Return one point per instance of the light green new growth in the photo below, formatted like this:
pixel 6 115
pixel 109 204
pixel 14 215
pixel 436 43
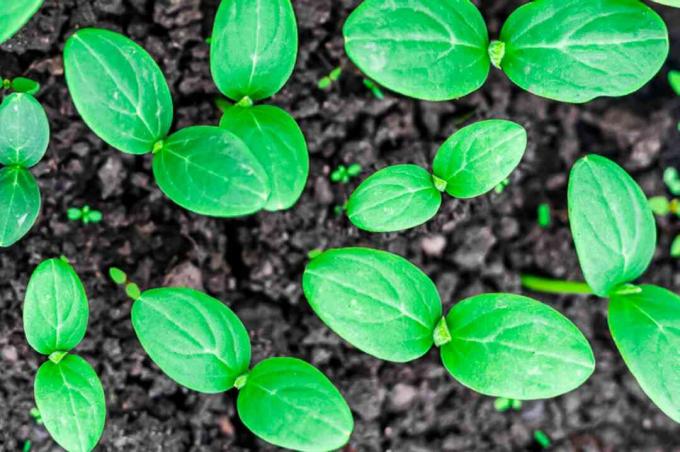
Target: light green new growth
pixel 343 174
pixel 326 81
pixel 672 180
pixel 544 215
pixel 542 439
pixel 84 214
pixel 502 404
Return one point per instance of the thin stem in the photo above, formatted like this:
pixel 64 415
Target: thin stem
pixel 548 285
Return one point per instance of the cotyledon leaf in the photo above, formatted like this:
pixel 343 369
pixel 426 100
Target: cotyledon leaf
pixel 71 402
pixel 19 203
pixel 194 338
pixel 575 51
pixel 480 156
pixel 507 345
pixel 55 308
pixel 611 223
pixel 210 171
pixel 377 301
pixel 277 142
pixel 646 329
pixel 394 198
pixel 291 404
pixel 432 50
pixel 14 14
pixel 118 89
pixel 24 130
pixel 253 48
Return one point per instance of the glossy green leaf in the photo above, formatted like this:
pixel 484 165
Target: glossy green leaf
pixel 675 3
pixel 377 301
pixel 24 130
pixel 25 85
pixel 478 157
pixel 575 51
pixel 118 89
pixel 194 338
pixel 210 171
pixel 71 402
pixel 646 329
pixel 253 48
pixel 434 50
pixel 507 345
pixel 19 204
pixel 394 198
pixel 277 142
pixel 14 15
pixel 55 308
pixel 611 223
pixel 291 404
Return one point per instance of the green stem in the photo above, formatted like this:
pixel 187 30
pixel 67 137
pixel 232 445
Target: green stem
pixel 548 285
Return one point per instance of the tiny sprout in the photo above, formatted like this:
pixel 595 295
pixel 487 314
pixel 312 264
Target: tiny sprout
pixel 674 81
pixel 27 446
pixel 132 290
pixel 343 174
pixel 117 275
pixel 84 214
pixel 35 414
pixel 327 81
pixel 375 89
pixel 500 188
pixel 662 206
pixel 672 180
pixel 21 85
pixel 339 209
pixel 542 439
pixel 544 215
pixel 675 247
pixel 502 404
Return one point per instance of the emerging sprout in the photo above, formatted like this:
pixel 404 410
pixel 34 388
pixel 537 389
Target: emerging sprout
pixel 502 404
pixel 84 214
pixel 672 180
pixel 544 215
pixel 542 439
pixel 326 81
pixel 343 174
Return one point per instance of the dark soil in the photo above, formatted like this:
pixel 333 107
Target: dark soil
pixel 255 264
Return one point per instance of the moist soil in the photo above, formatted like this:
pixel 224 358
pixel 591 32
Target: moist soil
pixel 254 264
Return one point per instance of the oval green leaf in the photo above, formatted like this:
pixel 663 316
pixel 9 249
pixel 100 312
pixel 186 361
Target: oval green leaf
pixel 19 204
pixel 253 48
pixel 14 15
pixel 377 301
pixel 55 308
pixel 291 404
pixel 194 338
pixel 480 156
pixel 646 329
pixel 394 198
pixel 24 130
pixel 611 223
pixel 277 142
pixel 71 402
pixel 575 51
pixel 210 171
pixel 435 50
pixel 118 89
pixel 506 345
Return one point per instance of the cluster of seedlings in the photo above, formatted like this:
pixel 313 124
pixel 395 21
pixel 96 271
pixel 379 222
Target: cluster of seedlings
pixel 502 345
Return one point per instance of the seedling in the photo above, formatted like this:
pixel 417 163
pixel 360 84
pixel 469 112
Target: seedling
pixel 544 216
pixel 24 135
pixel 502 404
pixel 14 15
pixel 201 344
pixel 542 439
pixel 663 206
pixel 68 394
pixel 387 307
pixel 672 180
pixel 35 414
pixel 674 81
pixel 84 214
pixel 615 237
pixel 374 88
pixel 343 174
pixel 675 247
pixel 565 50
pixel 119 277
pixel 472 162
pixel 326 81
pixel 500 188
pixel 27 446
pixel 21 85
pixel 253 53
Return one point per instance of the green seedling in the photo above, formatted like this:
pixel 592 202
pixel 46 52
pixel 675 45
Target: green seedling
pixel 615 236
pixel 326 81
pixel 21 85
pixel 374 88
pixel 544 215
pixel 14 15
pixel 24 136
pixel 663 206
pixel 119 277
pixel 675 247
pixel 387 307
pixel 542 439
pixel 84 214
pixel 502 404
pixel 674 81
pixel 252 68
pixel 27 446
pixel 500 188
pixel 672 180
pixel 472 162
pixel 35 414
pixel 68 394
pixel 343 174
pixel 566 50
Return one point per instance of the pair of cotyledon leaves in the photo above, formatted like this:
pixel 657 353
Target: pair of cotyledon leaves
pixel 14 15
pixel 24 136
pixel 257 159
pixel 67 391
pixel 615 236
pixel 566 50
pixel 470 163
pixel 500 345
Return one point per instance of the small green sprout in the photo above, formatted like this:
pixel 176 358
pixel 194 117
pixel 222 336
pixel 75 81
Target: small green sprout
pixel 119 277
pixel 542 439
pixel 614 231
pixel 472 162
pixel 675 247
pixel 339 210
pixel 387 307
pixel 502 404
pixel 84 214
pixel 27 446
pixel 502 185
pixel 544 215
pixel 21 85
pixel 15 15
pixel 374 88
pixel 326 81
pixel 343 174
pixel 674 81
pixel 67 389
pixel 543 47
pixel 35 414
pixel 672 180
